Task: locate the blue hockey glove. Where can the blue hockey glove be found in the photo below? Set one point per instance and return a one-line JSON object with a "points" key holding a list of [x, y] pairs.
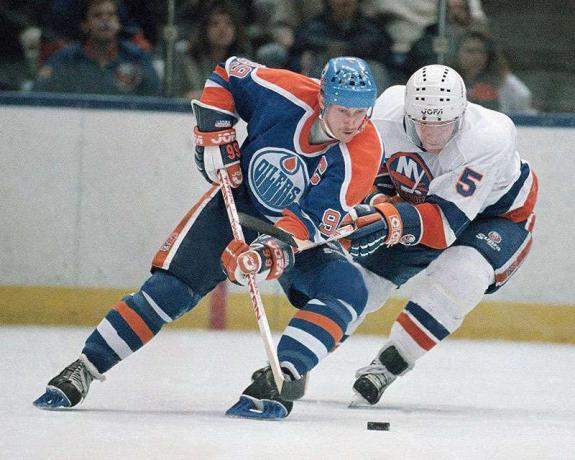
{"points": [[376, 225], [217, 150], [267, 258]]}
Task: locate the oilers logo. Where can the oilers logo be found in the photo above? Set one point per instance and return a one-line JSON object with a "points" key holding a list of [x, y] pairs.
{"points": [[278, 177], [410, 175]]}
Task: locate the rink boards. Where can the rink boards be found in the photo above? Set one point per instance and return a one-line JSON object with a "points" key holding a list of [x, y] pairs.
{"points": [[92, 186]]}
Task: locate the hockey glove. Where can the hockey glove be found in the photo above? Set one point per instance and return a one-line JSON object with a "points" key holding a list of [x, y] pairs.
{"points": [[216, 150], [376, 225], [267, 258]]}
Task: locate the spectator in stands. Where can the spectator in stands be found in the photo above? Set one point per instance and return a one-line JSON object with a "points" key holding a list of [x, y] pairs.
{"points": [[459, 20], [63, 26], [102, 63], [487, 76], [219, 35], [13, 66], [342, 29]]}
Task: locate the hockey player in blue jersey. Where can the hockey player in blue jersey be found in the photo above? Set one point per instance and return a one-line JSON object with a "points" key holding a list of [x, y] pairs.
{"points": [[311, 155], [454, 199]]}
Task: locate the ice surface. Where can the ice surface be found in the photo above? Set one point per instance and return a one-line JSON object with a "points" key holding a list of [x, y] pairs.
{"points": [[465, 400]]}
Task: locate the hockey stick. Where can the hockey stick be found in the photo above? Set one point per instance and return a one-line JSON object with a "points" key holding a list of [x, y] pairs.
{"points": [[260, 226], [255, 297]]}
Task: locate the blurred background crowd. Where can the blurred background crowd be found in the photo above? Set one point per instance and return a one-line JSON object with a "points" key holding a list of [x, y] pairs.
{"points": [[515, 56]]}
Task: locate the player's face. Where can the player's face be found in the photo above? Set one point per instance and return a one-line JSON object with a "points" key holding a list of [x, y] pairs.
{"points": [[344, 122], [434, 135]]}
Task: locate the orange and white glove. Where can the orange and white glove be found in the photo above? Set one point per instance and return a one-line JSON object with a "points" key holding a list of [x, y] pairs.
{"points": [[267, 258], [217, 150]]}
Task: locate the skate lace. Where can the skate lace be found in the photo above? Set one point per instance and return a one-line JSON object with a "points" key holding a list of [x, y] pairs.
{"points": [[77, 374], [377, 370]]}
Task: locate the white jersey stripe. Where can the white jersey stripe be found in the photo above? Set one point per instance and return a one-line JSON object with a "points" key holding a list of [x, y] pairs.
{"points": [[523, 193], [113, 340], [161, 313], [308, 341]]}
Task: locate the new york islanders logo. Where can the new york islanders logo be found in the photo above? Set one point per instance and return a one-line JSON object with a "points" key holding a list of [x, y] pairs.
{"points": [[278, 177], [410, 175]]}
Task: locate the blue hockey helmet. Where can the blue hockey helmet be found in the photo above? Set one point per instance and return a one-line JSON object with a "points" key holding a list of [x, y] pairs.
{"points": [[348, 81]]}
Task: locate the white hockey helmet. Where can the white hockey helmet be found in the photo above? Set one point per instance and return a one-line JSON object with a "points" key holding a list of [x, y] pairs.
{"points": [[434, 93]]}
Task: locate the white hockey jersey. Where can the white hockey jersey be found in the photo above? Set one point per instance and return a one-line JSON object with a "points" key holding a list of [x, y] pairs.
{"points": [[477, 174]]}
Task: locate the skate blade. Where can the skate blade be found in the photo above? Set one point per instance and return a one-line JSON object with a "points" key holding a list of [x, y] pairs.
{"points": [[53, 398], [358, 402], [250, 408]]}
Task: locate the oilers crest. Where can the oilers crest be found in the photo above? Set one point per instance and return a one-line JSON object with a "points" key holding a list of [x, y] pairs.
{"points": [[410, 175], [278, 177]]}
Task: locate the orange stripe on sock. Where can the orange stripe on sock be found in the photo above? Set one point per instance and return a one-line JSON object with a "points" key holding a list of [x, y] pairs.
{"points": [[135, 321], [322, 321], [415, 332]]}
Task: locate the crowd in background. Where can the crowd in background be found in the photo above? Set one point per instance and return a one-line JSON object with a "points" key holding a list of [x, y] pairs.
{"points": [[122, 47]]}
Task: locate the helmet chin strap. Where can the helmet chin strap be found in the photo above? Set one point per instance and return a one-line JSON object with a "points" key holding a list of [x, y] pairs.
{"points": [[326, 129]]}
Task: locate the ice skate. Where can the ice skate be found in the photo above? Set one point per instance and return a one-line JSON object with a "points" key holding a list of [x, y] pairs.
{"points": [[261, 399], [371, 381], [69, 387]]}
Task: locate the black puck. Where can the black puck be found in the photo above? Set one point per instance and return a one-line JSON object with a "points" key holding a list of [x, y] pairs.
{"points": [[378, 426]]}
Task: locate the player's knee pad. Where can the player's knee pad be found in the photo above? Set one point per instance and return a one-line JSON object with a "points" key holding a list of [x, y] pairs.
{"points": [[453, 285], [166, 295]]}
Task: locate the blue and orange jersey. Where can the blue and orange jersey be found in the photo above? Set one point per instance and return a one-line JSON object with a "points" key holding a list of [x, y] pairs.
{"points": [[306, 189]]}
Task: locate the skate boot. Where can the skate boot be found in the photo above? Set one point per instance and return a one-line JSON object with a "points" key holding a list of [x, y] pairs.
{"points": [[371, 381], [261, 399], [70, 386]]}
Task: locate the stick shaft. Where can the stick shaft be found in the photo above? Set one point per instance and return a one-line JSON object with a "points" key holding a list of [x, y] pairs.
{"points": [[262, 226], [255, 297]]}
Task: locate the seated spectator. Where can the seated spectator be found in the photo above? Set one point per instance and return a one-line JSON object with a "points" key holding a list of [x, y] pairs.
{"points": [[341, 30], [102, 63], [487, 77], [219, 35], [63, 26], [13, 66], [459, 20]]}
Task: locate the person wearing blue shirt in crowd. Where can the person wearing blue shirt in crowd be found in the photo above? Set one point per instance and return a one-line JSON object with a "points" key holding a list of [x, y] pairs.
{"points": [[103, 63]]}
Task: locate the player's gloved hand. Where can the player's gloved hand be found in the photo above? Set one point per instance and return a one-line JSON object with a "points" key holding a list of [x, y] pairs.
{"points": [[217, 150], [267, 258], [373, 225]]}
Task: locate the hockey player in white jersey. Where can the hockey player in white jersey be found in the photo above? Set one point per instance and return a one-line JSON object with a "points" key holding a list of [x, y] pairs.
{"points": [[453, 198]]}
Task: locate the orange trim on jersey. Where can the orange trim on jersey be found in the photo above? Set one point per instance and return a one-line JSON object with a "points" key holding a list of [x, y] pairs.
{"points": [[163, 252], [415, 332], [291, 224], [522, 213], [221, 72], [365, 151], [306, 90], [135, 321], [218, 97], [302, 87], [304, 135], [431, 226], [322, 321]]}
